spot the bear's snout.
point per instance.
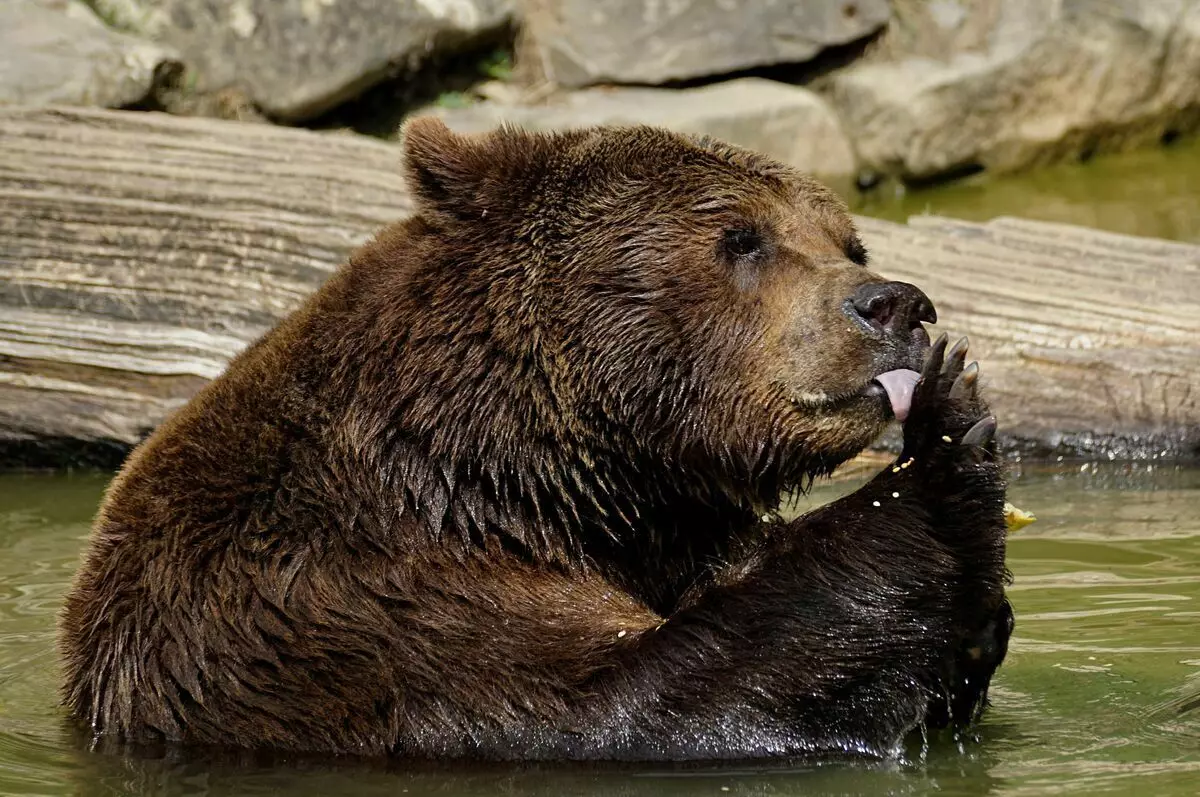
(890, 309)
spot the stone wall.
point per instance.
(920, 90)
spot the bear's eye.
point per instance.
(743, 243)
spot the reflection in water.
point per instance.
(1101, 691)
(95, 775)
(1149, 192)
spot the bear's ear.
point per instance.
(443, 169)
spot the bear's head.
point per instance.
(675, 299)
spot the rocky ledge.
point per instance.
(918, 90)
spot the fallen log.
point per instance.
(139, 252)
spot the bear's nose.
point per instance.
(891, 306)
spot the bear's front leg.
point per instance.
(948, 470)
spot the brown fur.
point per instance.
(476, 496)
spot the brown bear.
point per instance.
(506, 487)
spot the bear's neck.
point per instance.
(458, 426)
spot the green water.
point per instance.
(1100, 693)
(1149, 192)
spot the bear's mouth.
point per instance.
(892, 390)
(897, 386)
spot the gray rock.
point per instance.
(1040, 81)
(581, 42)
(57, 51)
(790, 123)
(298, 58)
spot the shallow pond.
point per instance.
(1100, 693)
(1148, 192)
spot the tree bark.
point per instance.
(139, 252)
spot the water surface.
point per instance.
(1149, 192)
(1100, 693)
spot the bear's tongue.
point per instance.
(899, 385)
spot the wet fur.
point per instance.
(495, 490)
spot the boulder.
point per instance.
(295, 59)
(786, 122)
(580, 42)
(1010, 85)
(57, 51)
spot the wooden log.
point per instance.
(139, 252)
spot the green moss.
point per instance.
(497, 65)
(127, 16)
(454, 99)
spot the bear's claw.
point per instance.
(981, 434)
(956, 357)
(946, 405)
(963, 389)
(934, 360)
